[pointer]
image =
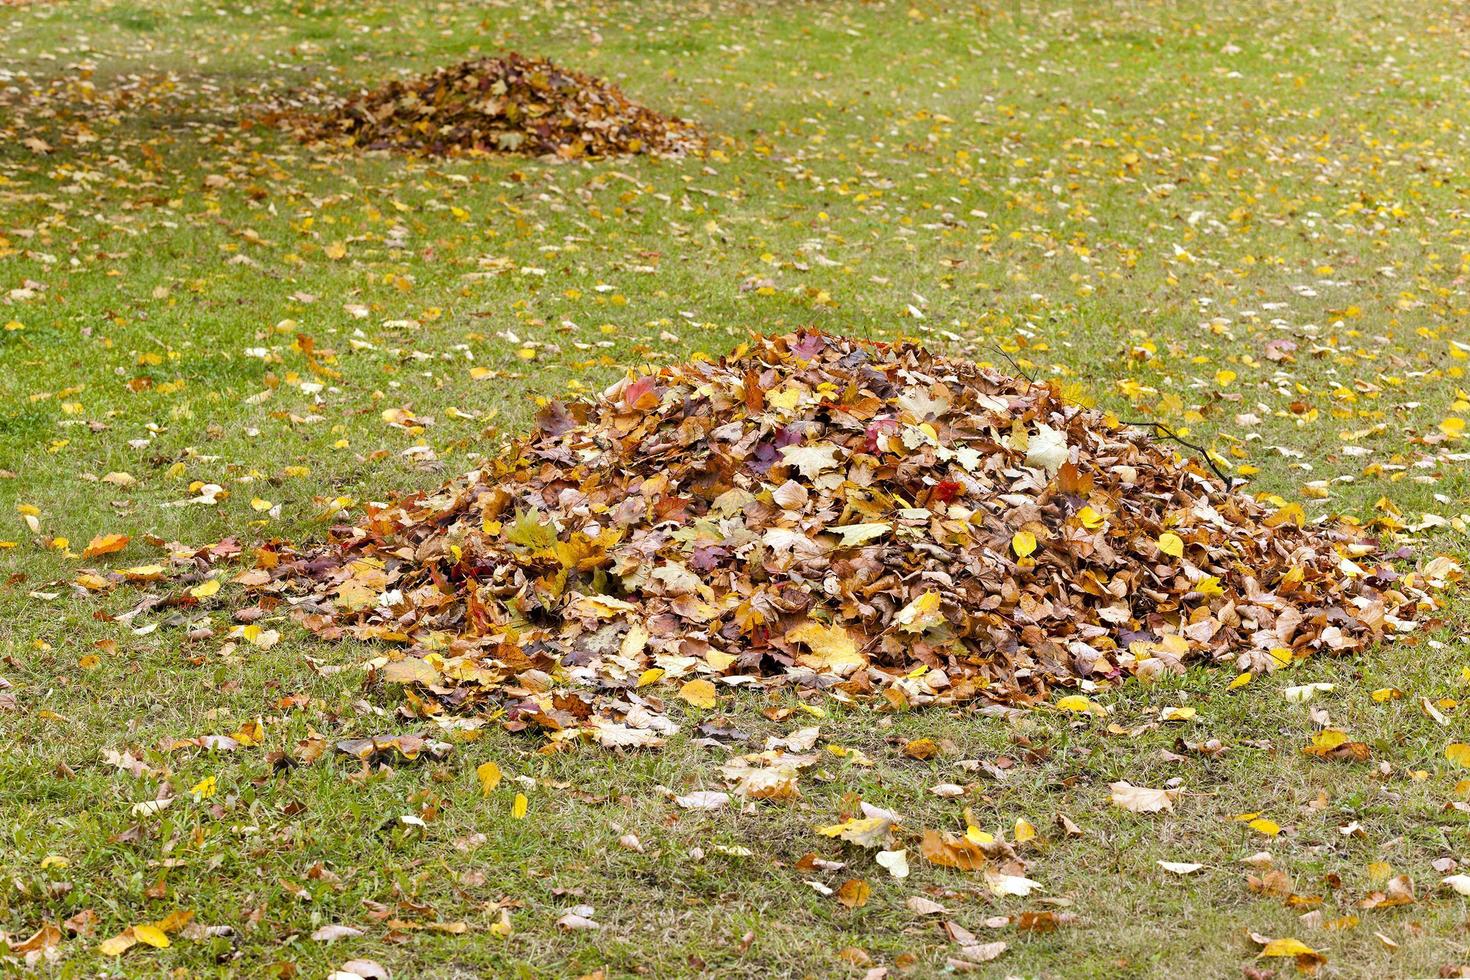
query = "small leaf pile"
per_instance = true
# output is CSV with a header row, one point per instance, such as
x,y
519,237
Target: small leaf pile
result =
x,y
850,518
501,105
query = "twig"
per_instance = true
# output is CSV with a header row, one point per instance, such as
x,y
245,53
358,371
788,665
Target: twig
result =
x,y
1006,354
1163,430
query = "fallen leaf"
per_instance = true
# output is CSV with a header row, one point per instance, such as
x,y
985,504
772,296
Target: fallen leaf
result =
x,y
1141,799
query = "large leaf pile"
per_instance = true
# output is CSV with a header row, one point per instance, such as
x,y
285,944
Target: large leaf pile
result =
x,y
502,105
850,518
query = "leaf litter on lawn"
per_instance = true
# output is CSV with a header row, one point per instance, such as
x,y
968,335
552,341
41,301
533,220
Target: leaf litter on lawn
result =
x,y
512,104
855,520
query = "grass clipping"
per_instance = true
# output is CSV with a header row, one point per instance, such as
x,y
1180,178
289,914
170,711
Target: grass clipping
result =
x,y
512,104
852,520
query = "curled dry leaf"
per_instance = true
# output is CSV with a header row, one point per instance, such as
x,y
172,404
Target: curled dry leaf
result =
x,y
1457,883
703,799
578,918
951,851
854,893
361,970
1141,799
896,863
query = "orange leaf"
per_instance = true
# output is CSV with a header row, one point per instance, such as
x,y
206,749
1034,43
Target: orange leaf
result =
x,y
105,544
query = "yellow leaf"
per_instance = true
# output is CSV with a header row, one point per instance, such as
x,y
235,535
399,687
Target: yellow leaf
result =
x,y
1023,543
1458,753
1263,826
1329,739
1024,830
1288,947
205,788
649,676
205,589
700,693
1171,544
1209,587
518,808
152,935
1075,703
832,648
488,773
117,945
1224,378
786,398
921,614
250,733
864,831
1090,518
1241,680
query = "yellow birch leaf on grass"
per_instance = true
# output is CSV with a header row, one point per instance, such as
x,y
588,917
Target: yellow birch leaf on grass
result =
x,y
488,773
699,693
205,589
519,807
152,935
1078,704
1458,753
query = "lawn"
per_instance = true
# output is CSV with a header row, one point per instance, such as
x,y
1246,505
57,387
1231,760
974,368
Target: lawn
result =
x,y
1247,221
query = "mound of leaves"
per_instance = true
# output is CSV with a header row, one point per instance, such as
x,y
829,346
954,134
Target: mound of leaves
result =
x,y
502,105
851,520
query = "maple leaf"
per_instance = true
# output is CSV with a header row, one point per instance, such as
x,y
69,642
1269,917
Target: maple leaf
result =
x,y
811,461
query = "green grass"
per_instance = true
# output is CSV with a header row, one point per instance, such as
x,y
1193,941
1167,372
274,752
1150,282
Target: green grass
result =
x,y
1128,197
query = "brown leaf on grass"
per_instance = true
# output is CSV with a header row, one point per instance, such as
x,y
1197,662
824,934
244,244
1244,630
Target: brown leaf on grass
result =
x,y
854,893
45,938
951,851
1398,891
407,747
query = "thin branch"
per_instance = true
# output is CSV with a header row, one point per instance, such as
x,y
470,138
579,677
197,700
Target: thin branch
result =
x,y
1020,370
1163,430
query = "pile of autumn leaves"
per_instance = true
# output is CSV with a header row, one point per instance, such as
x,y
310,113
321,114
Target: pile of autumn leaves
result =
x,y
501,105
837,519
